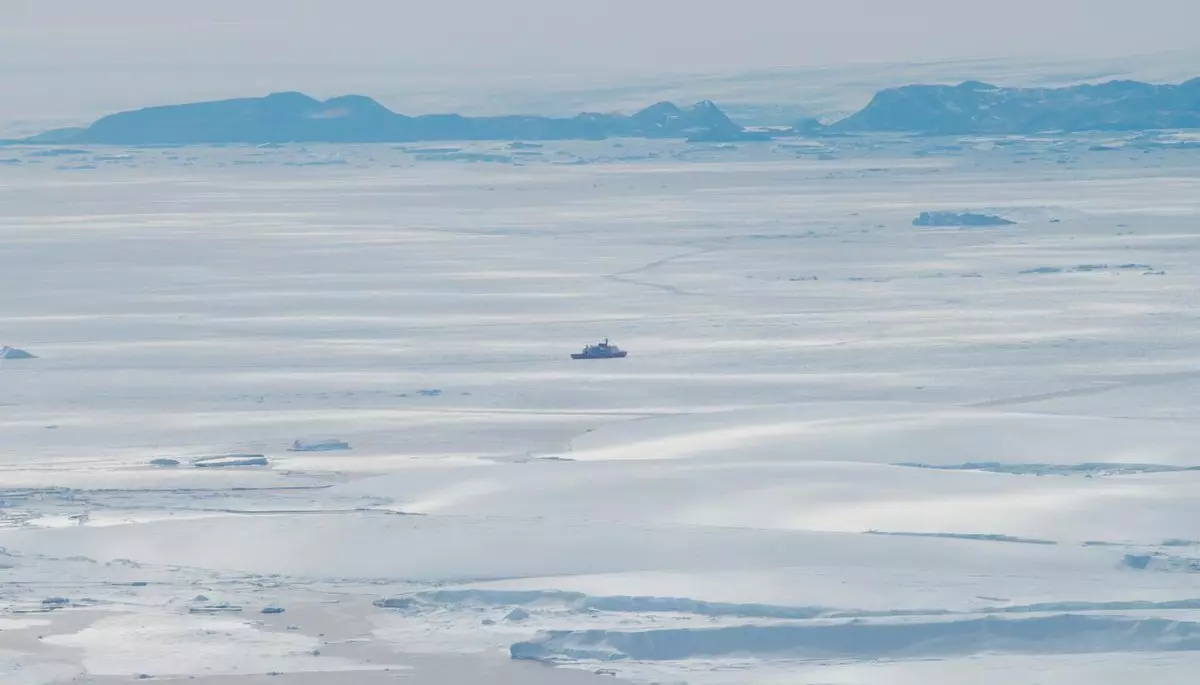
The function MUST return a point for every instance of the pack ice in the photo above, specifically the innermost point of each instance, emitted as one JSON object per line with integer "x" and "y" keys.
{"x": 848, "y": 450}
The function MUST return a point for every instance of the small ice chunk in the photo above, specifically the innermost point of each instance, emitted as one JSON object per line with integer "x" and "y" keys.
{"x": 164, "y": 462}
{"x": 955, "y": 219}
{"x": 1139, "y": 562}
{"x": 517, "y": 615}
{"x": 227, "y": 460}
{"x": 396, "y": 603}
{"x": 216, "y": 609}
{"x": 323, "y": 445}
{"x": 7, "y": 352}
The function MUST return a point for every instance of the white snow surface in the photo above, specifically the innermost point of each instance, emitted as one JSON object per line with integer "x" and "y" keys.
{"x": 171, "y": 644}
{"x": 843, "y": 449}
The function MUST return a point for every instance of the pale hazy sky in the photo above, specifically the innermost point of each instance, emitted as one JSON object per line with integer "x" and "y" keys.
{"x": 516, "y": 35}
{"x": 64, "y": 62}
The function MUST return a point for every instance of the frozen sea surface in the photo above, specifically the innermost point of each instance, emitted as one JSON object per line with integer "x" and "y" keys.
{"x": 843, "y": 449}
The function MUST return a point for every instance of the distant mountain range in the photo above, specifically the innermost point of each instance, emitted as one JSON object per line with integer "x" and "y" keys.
{"x": 968, "y": 108}
{"x": 974, "y": 107}
{"x": 295, "y": 117}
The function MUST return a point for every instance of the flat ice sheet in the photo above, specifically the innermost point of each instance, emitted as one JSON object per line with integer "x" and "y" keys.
{"x": 830, "y": 420}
